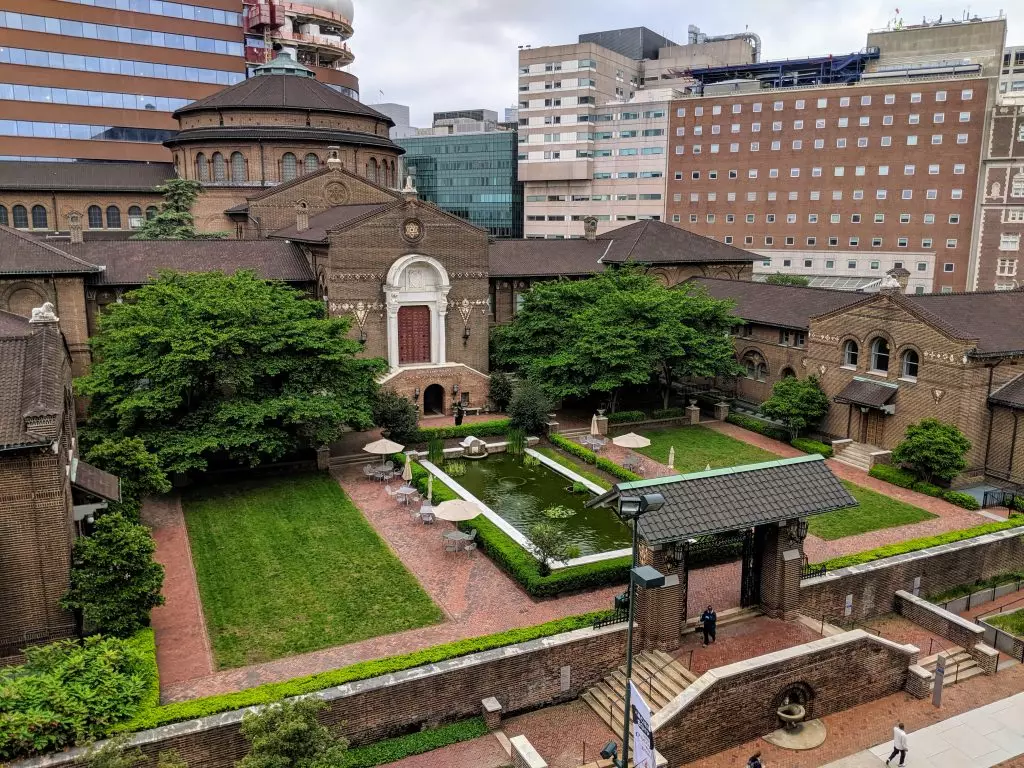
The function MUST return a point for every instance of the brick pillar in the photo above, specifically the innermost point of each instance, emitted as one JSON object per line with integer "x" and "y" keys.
{"x": 721, "y": 411}
{"x": 660, "y": 614}
{"x": 780, "y": 570}
{"x": 323, "y": 458}
{"x": 602, "y": 425}
{"x": 492, "y": 713}
{"x": 693, "y": 413}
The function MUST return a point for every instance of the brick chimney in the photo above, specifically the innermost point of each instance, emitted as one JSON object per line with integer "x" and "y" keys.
{"x": 301, "y": 217}
{"x": 590, "y": 227}
{"x": 75, "y": 226}
{"x": 333, "y": 158}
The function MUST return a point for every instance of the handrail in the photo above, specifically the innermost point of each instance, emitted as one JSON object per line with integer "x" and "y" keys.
{"x": 1002, "y": 609}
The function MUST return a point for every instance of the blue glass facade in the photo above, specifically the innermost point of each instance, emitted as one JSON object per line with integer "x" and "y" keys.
{"x": 472, "y": 175}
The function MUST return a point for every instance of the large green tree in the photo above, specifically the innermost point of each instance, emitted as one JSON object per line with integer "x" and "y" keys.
{"x": 174, "y": 220}
{"x": 616, "y": 329}
{"x": 933, "y": 449}
{"x": 797, "y": 403}
{"x": 288, "y": 735}
{"x": 205, "y": 367}
{"x": 138, "y": 469}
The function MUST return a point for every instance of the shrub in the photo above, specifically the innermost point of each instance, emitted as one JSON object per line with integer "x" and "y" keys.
{"x": 962, "y": 590}
{"x": 929, "y": 490}
{"x": 392, "y": 750}
{"x": 290, "y": 736}
{"x": 669, "y": 413}
{"x": 530, "y": 461}
{"x": 798, "y": 403}
{"x": 807, "y": 445}
{"x": 961, "y": 499}
{"x": 758, "y": 425}
{"x": 69, "y": 692}
{"x": 137, "y": 468}
{"x": 114, "y": 580}
{"x": 913, "y": 545}
{"x": 529, "y": 408}
{"x": 894, "y": 475}
{"x": 933, "y": 449}
{"x": 550, "y": 544}
{"x": 455, "y": 468}
{"x": 516, "y": 442}
{"x": 494, "y": 428}
{"x": 590, "y": 457}
{"x": 620, "y": 417}
{"x": 114, "y": 754}
{"x": 435, "y": 451}
{"x": 578, "y": 488}
{"x": 397, "y": 416}
{"x": 1018, "y": 502}
{"x": 501, "y": 390}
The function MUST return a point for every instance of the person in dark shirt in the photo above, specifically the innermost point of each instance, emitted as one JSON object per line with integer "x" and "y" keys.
{"x": 755, "y": 761}
{"x": 708, "y": 620}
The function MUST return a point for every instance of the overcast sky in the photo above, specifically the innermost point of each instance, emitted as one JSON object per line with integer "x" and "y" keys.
{"x": 462, "y": 54}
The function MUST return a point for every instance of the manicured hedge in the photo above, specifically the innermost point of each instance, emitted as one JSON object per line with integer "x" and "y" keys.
{"x": 807, "y": 445}
{"x": 669, "y": 413}
{"x": 929, "y": 490}
{"x": 271, "y": 692}
{"x": 1018, "y": 502}
{"x": 590, "y": 457}
{"x": 622, "y": 416}
{"x": 757, "y": 425}
{"x": 494, "y": 428}
{"x": 962, "y": 499}
{"x": 895, "y": 475}
{"x": 391, "y": 750}
{"x": 913, "y": 545}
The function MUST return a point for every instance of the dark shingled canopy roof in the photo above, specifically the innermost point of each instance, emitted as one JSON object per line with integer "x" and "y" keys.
{"x": 321, "y": 223}
{"x": 134, "y": 262}
{"x": 873, "y": 394}
{"x": 31, "y": 359}
{"x": 1010, "y": 395}
{"x": 785, "y": 306}
{"x": 84, "y": 176}
{"x": 22, "y": 254}
{"x": 95, "y": 481}
{"x": 729, "y": 499}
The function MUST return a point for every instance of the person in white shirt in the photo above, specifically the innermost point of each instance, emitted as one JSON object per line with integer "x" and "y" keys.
{"x": 899, "y": 744}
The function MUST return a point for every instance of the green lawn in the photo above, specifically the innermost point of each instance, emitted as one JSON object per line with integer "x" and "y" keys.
{"x": 696, "y": 447}
{"x": 290, "y": 565}
{"x": 875, "y": 511}
{"x": 1011, "y": 622}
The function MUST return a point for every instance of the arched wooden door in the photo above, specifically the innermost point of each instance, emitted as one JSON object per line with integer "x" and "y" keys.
{"x": 413, "y": 335}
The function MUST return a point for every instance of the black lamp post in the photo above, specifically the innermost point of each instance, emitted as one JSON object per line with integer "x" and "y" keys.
{"x": 633, "y": 509}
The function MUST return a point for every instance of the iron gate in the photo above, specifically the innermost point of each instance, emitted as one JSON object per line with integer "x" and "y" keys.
{"x": 745, "y": 545}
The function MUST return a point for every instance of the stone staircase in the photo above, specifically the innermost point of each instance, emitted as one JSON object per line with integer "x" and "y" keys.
{"x": 659, "y": 677}
{"x": 960, "y": 666}
{"x": 857, "y": 455}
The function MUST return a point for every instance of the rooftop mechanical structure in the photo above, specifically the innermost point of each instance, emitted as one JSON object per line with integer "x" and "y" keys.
{"x": 786, "y": 73}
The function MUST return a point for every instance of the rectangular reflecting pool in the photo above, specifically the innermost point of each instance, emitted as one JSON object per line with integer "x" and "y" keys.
{"x": 520, "y": 492}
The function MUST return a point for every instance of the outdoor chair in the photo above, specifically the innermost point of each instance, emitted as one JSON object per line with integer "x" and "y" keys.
{"x": 389, "y": 466}
{"x": 470, "y": 546}
{"x": 427, "y": 518}
{"x": 370, "y": 471}
{"x": 472, "y": 535}
{"x": 450, "y": 546}
{"x": 390, "y": 491}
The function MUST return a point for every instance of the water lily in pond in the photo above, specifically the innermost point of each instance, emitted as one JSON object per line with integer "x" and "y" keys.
{"x": 558, "y": 512}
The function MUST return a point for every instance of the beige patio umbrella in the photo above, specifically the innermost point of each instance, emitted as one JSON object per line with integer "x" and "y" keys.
{"x": 631, "y": 440}
{"x": 593, "y": 427}
{"x": 430, "y": 488}
{"x": 383, "y": 447}
{"x": 672, "y": 457}
{"x": 456, "y": 510}
{"x": 407, "y": 469}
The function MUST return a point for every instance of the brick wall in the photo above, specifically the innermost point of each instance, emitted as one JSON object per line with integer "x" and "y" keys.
{"x": 67, "y": 202}
{"x": 948, "y": 625}
{"x": 521, "y": 677}
{"x": 734, "y": 704}
{"x": 873, "y": 585}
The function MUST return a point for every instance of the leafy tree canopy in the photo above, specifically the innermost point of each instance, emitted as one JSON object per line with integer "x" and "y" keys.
{"x": 206, "y": 366}
{"x": 798, "y": 403}
{"x": 501, "y": 390}
{"x": 138, "y": 469}
{"x": 529, "y": 408}
{"x": 933, "y": 449}
{"x": 615, "y": 329}
{"x": 288, "y": 735}
{"x": 550, "y": 544}
{"x": 397, "y": 416}
{"x": 780, "y": 279}
{"x": 174, "y": 220}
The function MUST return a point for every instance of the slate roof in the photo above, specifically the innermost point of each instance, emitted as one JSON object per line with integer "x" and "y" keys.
{"x": 546, "y": 258}
{"x": 321, "y": 223}
{"x": 994, "y": 318}
{"x": 723, "y": 500}
{"x": 84, "y": 176}
{"x": 23, "y": 254}
{"x": 134, "y": 262}
{"x": 95, "y": 481}
{"x": 860, "y": 391}
{"x": 1011, "y": 395}
{"x": 31, "y": 381}
{"x": 785, "y": 306}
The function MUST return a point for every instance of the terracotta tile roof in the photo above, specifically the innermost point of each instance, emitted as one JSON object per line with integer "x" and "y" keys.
{"x": 785, "y": 306}
{"x": 84, "y": 175}
{"x": 95, "y": 481}
{"x": 873, "y": 394}
{"x": 32, "y": 361}
{"x": 134, "y": 262}
{"x": 1011, "y": 395}
{"x": 723, "y": 500}
{"x": 994, "y": 318}
{"x": 320, "y": 224}
{"x": 283, "y": 92}
{"x": 23, "y": 254}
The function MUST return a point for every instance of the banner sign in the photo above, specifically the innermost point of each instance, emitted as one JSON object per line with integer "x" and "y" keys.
{"x": 643, "y": 736}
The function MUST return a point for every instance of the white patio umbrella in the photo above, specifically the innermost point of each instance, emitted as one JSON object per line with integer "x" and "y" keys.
{"x": 631, "y": 440}
{"x": 383, "y": 447}
{"x": 593, "y": 427}
{"x": 672, "y": 457}
{"x": 708, "y": 467}
{"x": 407, "y": 470}
{"x": 430, "y": 488}
{"x": 456, "y": 510}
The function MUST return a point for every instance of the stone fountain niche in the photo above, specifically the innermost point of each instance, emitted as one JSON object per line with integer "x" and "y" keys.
{"x": 794, "y": 708}
{"x": 796, "y": 695}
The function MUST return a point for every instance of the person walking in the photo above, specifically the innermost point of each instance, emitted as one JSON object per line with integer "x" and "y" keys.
{"x": 755, "y": 761}
{"x": 899, "y": 744}
{"x": 708, "y": 621}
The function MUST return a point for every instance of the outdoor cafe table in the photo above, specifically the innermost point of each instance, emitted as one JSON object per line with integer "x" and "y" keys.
{"x": 458, "y": 537}
{"x": 405, "y": 493}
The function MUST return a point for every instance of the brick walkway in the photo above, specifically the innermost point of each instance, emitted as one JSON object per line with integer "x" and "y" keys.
{"x": 742, "y": 640}
{"x": 183, "y": 647}
{"x": 563, "y": 734}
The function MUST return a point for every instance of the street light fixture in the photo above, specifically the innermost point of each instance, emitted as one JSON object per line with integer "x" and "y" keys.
{"x": 645, "y": 576}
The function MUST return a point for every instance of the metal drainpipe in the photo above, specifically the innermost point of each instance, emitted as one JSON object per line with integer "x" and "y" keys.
{"x": 263, "y": 166}
{"x": 1013, "y": 444}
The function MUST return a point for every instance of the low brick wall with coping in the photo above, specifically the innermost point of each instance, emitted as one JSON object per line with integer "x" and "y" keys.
{"x": 521, "y": 677}
{"x": 949, "y": 626}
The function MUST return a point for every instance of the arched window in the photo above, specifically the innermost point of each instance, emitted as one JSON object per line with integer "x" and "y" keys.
{"x": 38, "y": 217}
{"x": 880, "y": 354}
{"x": 908, "y": 368}
{"x": 288, "y": 167}
{"x": 3, "y": 216}
{"x": 850, "y": 353}
{"x": 391, "y": 174}
{"x": 202, "y": 167}
{"x": 372, "y": 171}
{"x": 311, "y": 163}
{"x": 237, "y": 166}
{"x": 220, "y": 170}
{"x": 135, "y": 217}
{"x": 113, "y": 217}
{"x": 20, "y": 214}
{"x": 95, "y": 216}
{"x": 756, "y": 368}
{"x": 150, "y": 212}
{"x": 788, "y": 373}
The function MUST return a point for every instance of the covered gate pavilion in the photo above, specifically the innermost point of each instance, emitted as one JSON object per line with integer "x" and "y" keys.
{"x": 763, "y": 507}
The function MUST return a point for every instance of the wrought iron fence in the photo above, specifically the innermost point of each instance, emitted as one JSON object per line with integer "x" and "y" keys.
{"x": 810, "y": 571}
{"x": 617, "y": 617}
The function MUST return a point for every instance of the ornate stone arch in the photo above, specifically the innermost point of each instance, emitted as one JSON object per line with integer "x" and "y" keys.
{"x": 869, "y": 347}
{"x": 416, "y": 279}
{"x": 754, "y": 355}
{"x": 23, "y": 296}
{"x": 898, "y": 353}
